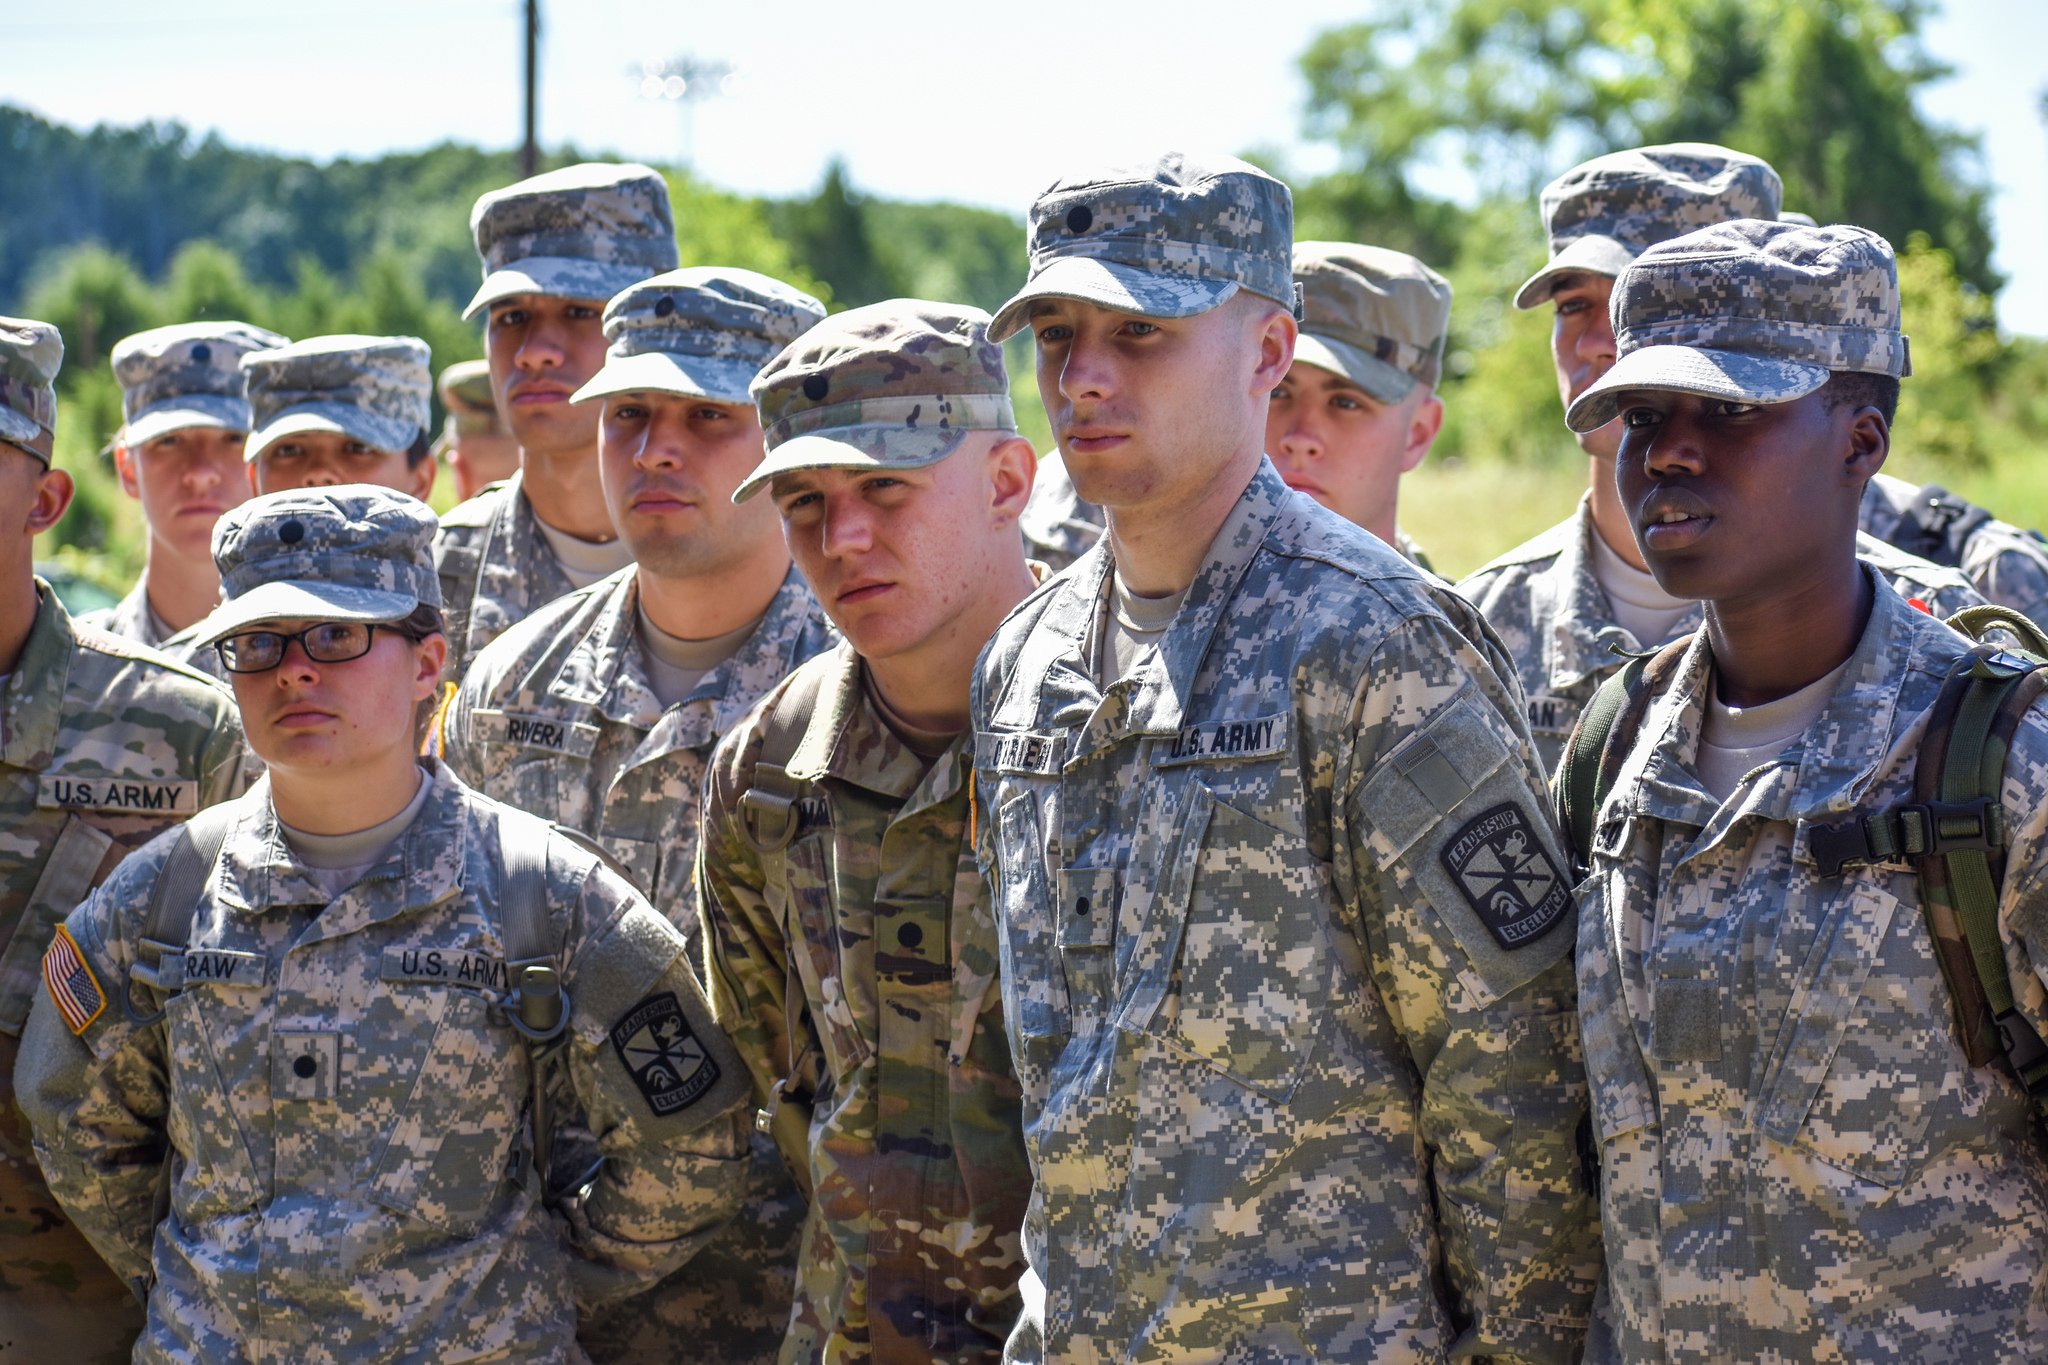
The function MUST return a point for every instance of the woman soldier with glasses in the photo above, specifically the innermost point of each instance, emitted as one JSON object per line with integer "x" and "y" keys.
{"x": 292, "y": 1070}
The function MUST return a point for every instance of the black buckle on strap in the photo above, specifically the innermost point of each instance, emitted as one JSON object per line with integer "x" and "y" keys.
{"x": 1918, "y": 830}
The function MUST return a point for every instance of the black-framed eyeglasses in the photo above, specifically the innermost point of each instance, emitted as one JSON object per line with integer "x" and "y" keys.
{"x": 329, "y": 642}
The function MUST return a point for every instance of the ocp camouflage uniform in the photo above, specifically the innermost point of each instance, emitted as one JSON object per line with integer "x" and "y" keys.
{"x": 1799, "y": 1163}
{"x": 1559, "y": 625}
{"x": 2007, "y": 565}
{"x": 1286, "y": 963}
{"x": 558, "y": 717}
{"x": 345, "y": 1105}
{"x": 106, "y": 743}
{"x": 857, "y": 967}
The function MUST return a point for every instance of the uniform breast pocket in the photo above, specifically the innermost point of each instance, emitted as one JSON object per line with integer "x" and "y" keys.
{"x": 1870, "y": 1050}
{"x": 448, "y": 1153}
{"x": 835, "y": 959}
{"x": 1254, "y": 961}
{"x": 1030, "y": 931}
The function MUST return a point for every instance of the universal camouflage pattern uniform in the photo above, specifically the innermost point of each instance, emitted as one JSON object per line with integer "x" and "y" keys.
{"x": 377, "y": 390}
{"x": 334, "y": 1083}
{"x": 2007, "y": 565}
{"x": 1541, "y": 596}
{"x": 1377, "y": 317}
{"x": 1285, "y": 937}
{"x": 854, "y": 965}
{"x": 582, "y": 232}
{"x": 1799, "y": 1162}
{"x": 102, "y": 744}
{"x": 178, "y": 378}
{"x": 558, "y": 716}
{"x": 1559, "y": 625}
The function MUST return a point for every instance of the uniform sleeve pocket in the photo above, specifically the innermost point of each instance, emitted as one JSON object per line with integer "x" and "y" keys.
{"x": 1451, "y": 809}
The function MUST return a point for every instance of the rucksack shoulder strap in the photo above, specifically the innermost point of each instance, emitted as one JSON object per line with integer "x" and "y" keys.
{"x": 174, "y": 900}
{"x": 767, "y": 808}
{"x": 1599, "y": 742}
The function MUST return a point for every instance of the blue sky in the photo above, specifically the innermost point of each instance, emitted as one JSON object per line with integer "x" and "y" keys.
{"x": 923, "y": 98}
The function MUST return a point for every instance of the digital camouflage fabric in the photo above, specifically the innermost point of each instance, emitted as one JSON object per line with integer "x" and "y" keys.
{"x": 855, "y": 970}
{"x": 1603, "y": 213}
{"x": 557, "y": 717}
{"x": 701, "y": 332}
{"x": 1798, "y": 1161}
{"x": 131, "y": 619}
{"x": 1750, "y": 311}
{"x": 102, "y": 745}
{"x": 31, "y": 353}
{"x": 377, "y": 390}
{"x": 1559, "y": 626}
{"x": 1166, "y": 239}
{"x": 345, "y": 1111}
{"x": 495, "y": 567}
{"x": 1286, "y": 966}
{"x": 581, "y": 232}
{"x": 2007, "y": 565}
{"x": 186, "y": 375}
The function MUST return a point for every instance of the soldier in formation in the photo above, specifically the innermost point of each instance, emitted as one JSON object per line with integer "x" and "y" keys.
{"x": 184, "y": 420}
{"x": 341, "y": 410}
{"x": 600, "y": 710}
{"x": 1799, "y": 1159}
{"x": 293, "y": 1073}
{"x": 851, "y": 935}
{"x": 103, "y": 744}
{"x": 1285, "y": 928}
{"x": 1568, "y": 600}
{"x": 474, "y": 443}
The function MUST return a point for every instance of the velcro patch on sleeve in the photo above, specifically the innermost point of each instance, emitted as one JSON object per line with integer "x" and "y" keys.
{"x": 663, "y": 1055}
{"x": 73, "y": 988}
{"x": 1499, "y": 865}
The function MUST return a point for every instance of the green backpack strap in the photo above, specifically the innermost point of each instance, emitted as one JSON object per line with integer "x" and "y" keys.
{"x": 537, "y": 1006}
{"x": 1599, "y": 742}
{"x": 173, "y": 901}
{"x": 1980, "y": 621}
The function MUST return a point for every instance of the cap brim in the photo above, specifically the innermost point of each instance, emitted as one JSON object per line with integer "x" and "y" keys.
{"x": 1381, "y": 381}
{"x": 854, "y": 448}
{"x": 691, "y": 376}
{"x": 1125, "y": 288}
{"x": 561, "y": 277}
{"x": 1583, "y": 256}
{"x": 1736, "y": 376}
{"x": 216, "y": 411}
{"x": 298, "y": 600}
{"x": 343, "y": 419}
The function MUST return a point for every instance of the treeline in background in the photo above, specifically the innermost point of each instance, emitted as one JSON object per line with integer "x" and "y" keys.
{"x": 1444, "y": 119}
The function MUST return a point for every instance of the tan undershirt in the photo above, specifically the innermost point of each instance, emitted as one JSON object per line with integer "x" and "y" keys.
{"x": 338, "y": 861}
{"x": 926, "y": 744}
{"x": 585, "y": 561}
{"x": 1642, "y": 608}
{"x": 1131, "y": 623}
{"x": 1737, "y": 739}
{"x": 675, "y": 666}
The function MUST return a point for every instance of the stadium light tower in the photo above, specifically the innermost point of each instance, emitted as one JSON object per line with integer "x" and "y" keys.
{"x": 685, "y": 81}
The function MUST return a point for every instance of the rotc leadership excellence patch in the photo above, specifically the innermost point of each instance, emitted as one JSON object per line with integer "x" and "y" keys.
{"x": 662, "y": 1056}
{"x": 1505, "y": 875}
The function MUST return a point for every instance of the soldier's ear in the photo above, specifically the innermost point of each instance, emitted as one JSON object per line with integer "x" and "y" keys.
{"x": 53, "y": 495}
{"x": 1870, "y": 441}
{"x": 1012, "y": 465}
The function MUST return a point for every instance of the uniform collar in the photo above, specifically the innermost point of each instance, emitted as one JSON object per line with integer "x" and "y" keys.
{"x": 424, "y": 864}
{"x": 847, "y": 740}
{"x": 1865, "y": 730}
{"x": 34, "y": 700}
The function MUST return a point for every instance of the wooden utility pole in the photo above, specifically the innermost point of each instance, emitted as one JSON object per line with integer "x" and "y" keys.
{"x": 529, "y": 151}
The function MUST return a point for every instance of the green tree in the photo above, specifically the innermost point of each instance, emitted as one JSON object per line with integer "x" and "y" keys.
{"x": 829, "y": 235}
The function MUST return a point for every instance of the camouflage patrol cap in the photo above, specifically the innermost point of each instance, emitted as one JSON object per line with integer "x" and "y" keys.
{"x": 1602, "y": 214}
{"x": 895, "y": 385}
{"x": 1796, "y": 217}
{"x": 372, "y": 389}
{"x": 186, "y": 375}
{"x": 1375, "y": 316}
{"x": 1166, "y": 240}
{"x": 466, "y": 394}
{"x": 703, "y": 332}
{"x": 582, "y": 232}
{"x": 1752, "y": 312}
{"x": 353, "y": 552}
{"x": 30, "y": 355}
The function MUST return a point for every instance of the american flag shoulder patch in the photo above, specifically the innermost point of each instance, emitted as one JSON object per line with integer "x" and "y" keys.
{"x": 73, "y": 988}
